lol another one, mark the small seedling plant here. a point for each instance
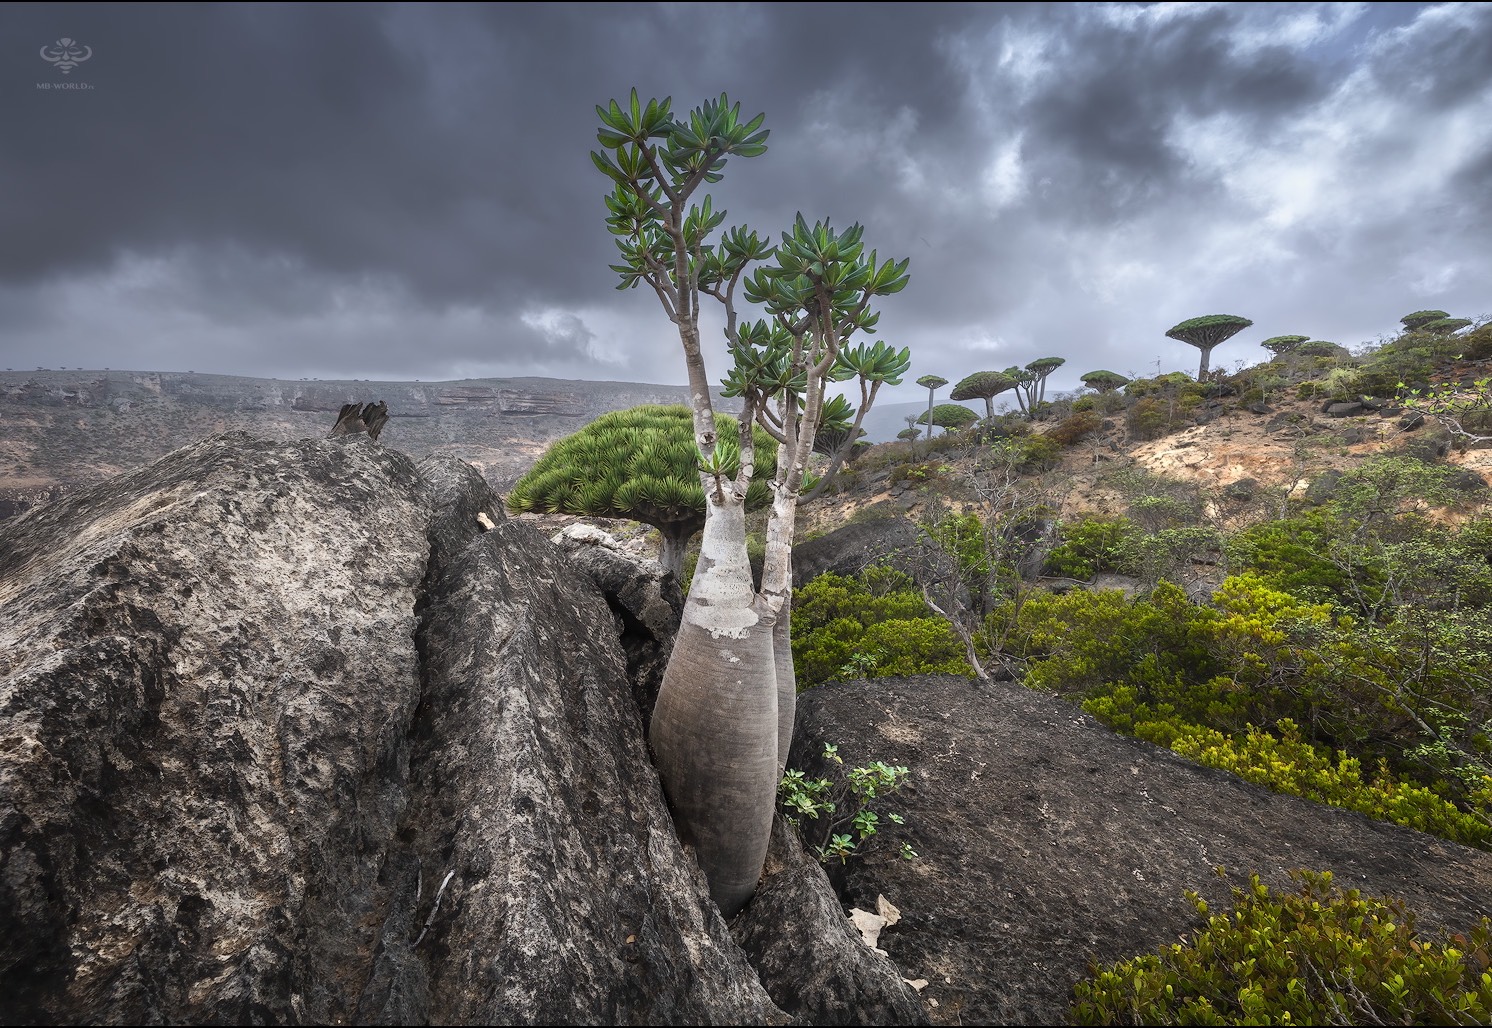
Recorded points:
(839, 808)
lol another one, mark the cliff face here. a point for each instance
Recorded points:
(60, 430)
(286, 737)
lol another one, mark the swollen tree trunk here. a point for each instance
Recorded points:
(671, 552)
(715, 727)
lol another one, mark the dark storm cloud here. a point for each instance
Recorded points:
(1104, 133)
(348, 188)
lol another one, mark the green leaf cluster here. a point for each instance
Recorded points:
(1318, 955)
(843, 803)
(873, 625)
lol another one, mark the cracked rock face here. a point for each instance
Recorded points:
(286, 736)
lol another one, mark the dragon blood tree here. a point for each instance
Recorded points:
(982, 385)
(637, 464)
(933, 384)
(724, 716)
(1207, 333)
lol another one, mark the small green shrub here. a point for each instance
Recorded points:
(1040, 452)
(1090, 545)
(1286, 764)
(1320, 955)
(1076, 428)
(843, 804)
(1343, 384)
(1148, 418)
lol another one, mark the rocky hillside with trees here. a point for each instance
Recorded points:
(1281, 575)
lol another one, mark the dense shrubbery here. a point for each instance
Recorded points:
(1411, 697)
(1090, 545)
(1320, 955)
(870, 626)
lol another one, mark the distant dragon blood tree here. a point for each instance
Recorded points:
(1207, 333)
(1445, 326)
(1419, 319)
(983, 385)
(1042, 368)
(1281, 345)
(933, 384)
(1104, 381)
(949, 416)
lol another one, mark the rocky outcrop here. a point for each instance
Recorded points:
(1048, 843)
(644, 599)
(814, 964)
(287, 736)
(894, 542)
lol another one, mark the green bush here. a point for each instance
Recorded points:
(1076, 428)
(1039, 453)
(1320, 955)
(1412, 697)
(1089, 545)
(871, 626)
(1148, 419)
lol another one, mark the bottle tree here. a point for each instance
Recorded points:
(1206, 333)
(724, 715)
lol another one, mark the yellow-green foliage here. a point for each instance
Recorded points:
(1077, 427)
(871, 626)
(1410, 697)
(1287, 764)
(1090, 545)
(1320, 955)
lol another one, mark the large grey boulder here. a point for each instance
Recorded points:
(286, 736)
(1048, 843)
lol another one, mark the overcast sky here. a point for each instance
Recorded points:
(363, 191)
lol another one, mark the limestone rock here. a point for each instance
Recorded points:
(285, 736)
(209, 674)
(644, 599)
(896, 542)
